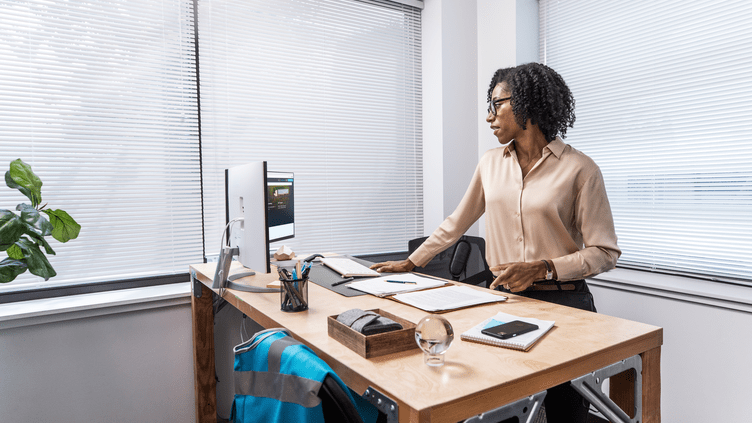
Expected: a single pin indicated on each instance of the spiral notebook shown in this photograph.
(521, 342)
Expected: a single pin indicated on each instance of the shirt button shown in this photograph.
(519, 239)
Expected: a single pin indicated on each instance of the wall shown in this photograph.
(705, 368)
(449, 99)
(135, 366)
(464, 42)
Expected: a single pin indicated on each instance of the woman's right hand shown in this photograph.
(394, 266)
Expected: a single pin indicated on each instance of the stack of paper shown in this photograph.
(407, 282)
(448, 298)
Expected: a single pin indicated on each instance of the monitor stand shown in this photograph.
(223, 279)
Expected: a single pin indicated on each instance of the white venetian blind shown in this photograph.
(664, 106)
(99, 97)
(328, 90)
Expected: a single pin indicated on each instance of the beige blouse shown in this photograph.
(559, 211)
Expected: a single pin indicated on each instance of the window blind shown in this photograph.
(664, 106)
(99, 97)
(328, 90)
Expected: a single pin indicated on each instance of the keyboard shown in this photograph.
(348, 267)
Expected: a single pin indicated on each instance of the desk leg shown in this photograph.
(622, 387)
(203, 356)
(651, 386)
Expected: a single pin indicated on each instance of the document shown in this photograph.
(448, 298)
(395, 283)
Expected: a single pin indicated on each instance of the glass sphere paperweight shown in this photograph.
(434, 336)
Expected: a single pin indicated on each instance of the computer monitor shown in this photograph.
(280, 209)
(246, 197)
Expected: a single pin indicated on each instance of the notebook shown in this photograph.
(521, 342)
(348, 267)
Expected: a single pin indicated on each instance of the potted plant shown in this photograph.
(22, 233)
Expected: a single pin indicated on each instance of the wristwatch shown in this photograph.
(549, 272)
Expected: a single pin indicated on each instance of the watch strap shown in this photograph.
(549, 272)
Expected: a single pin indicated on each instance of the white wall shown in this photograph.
(126, 367)
(464, 43)
(449, 99)
(706, 369)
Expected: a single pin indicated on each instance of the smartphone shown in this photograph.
(509, 330)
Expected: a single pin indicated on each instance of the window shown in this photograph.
(99, 97)
(328, 90)
(664, 93)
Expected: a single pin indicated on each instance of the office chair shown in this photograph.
(337, 406)
(466, 256)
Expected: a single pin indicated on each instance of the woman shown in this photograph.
(547, 213)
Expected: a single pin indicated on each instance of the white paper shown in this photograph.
(448, 298)
(380, 287)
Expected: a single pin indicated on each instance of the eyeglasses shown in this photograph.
(496, 103)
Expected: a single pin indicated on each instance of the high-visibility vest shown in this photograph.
(277, 379)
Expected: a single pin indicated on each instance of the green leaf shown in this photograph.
(20, 176)
(65, 228)
(43, 242)
(15, 252)
(35, 259)
(11, 229)
(10, 268)
(34, 222)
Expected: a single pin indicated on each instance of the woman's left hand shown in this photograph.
(517, 277)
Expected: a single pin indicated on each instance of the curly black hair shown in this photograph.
(539, 94)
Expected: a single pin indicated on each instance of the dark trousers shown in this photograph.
(563, 403)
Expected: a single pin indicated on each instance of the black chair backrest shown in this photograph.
(336, 404)
(460, 256)
(464, 261)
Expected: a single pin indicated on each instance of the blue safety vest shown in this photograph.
(277, 379)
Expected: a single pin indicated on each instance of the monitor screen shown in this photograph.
(280, 205)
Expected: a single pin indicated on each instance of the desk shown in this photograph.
(475, 378)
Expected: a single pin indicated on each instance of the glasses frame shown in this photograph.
(493, 105)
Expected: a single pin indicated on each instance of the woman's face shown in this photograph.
(503, 124)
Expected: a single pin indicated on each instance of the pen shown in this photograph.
(402, 282)
(342, 281)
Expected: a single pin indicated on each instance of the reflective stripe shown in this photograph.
(275, 352)
(281, 387)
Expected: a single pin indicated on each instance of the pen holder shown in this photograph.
(293, 294)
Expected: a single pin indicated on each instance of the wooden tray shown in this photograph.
(378, 344)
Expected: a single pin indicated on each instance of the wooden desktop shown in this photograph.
(474, 379)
